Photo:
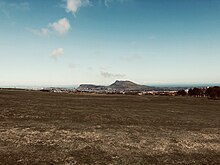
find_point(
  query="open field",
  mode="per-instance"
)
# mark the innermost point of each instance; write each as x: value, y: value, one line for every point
x: 52, y: 128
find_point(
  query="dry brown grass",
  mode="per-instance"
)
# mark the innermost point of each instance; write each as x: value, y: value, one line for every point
x: 49, y: 128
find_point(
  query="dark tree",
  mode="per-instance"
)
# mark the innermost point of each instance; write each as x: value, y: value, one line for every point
x: 195, y: 92
x: 181, y: 93
x: 190, y: 92
x: 213, y: 92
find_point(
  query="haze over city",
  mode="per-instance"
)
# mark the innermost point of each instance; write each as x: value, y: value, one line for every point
x: 65, y: 42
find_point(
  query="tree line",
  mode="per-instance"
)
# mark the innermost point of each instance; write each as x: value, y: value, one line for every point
x: 212, y: 92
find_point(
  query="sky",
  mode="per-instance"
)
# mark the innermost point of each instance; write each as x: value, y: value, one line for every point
x: 69, y: 42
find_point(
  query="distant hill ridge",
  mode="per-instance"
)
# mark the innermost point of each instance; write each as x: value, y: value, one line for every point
x: 127, y: 85
x: 117, y: 85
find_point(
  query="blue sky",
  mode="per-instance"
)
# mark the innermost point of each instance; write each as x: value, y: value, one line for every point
x: 65, y: 42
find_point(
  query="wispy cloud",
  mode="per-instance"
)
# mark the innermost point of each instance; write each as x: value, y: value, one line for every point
x: 72, y: 66
x: 60, y: 27
x: 108, y: 2
x: 106, y: 74
x: 57, y: 53
x: 7, y: 8
x: 132, y: 58
x: 72, y: 6
x: 39, y: 32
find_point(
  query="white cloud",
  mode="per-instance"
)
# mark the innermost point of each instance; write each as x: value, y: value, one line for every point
x: 74, y: 5
x: 57, y: 52
x: 62, y: 26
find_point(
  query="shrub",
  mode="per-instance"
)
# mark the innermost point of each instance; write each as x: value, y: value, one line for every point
x: 196, y: 92
x: 181, y: 93
x: 213, y: 92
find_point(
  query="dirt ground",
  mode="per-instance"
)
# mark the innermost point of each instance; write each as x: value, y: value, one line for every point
x: 54, y: 128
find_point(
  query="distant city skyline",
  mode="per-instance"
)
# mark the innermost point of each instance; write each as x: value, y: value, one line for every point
x: 69, y: 42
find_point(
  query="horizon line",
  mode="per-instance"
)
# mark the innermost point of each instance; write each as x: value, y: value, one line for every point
x: 75, y: 85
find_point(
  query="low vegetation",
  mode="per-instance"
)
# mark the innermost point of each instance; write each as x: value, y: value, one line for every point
x: 182, y: 93
x: 58, y: 128
x: 211, y: 92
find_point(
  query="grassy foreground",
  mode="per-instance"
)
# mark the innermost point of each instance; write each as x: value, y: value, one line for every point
x: 51, y: 128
